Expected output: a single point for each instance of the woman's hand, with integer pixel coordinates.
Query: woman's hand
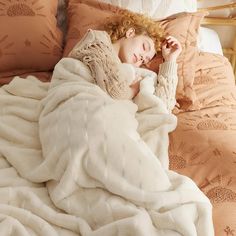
(171, 48)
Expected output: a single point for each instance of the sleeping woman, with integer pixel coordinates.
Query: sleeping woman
(115, 55)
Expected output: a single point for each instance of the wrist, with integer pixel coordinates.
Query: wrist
(170, 60)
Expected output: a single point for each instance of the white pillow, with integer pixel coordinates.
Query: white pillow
(156, 9)
(166, 8)
(139, 6)
(209, 41)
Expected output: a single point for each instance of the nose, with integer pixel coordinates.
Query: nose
(144, 58)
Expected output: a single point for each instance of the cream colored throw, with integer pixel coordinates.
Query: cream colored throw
(73, 163)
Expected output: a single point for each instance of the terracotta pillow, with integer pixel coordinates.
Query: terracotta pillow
(85, 14)
(185, 26)
(29, 37)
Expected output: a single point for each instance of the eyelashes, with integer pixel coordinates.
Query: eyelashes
(146, 46)
(145, 58)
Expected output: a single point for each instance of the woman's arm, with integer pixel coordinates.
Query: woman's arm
(166, 84)
(167, 77)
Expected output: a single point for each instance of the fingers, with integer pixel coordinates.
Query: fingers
(164, 45)
(171, 48)
(173, 42)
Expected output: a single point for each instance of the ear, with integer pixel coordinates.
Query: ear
(130, 33)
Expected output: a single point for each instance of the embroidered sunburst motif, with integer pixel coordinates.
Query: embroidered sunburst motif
(47, 47)
(6, 46)
(176, 156)
(184, 154)
(219, 189)
(15, 8)
(207, 122)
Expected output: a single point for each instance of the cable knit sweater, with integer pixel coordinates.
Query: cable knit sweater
(96, 51)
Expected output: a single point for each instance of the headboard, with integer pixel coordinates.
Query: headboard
(218, 19)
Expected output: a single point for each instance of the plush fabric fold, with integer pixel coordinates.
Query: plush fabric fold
(81, 163)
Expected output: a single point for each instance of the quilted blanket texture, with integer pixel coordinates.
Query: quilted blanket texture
(74, 161)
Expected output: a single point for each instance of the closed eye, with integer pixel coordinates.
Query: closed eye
(146, 46)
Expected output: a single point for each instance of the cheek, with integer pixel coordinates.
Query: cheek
(137, 46)
(127, 52)
(128, 49)
(133, 45)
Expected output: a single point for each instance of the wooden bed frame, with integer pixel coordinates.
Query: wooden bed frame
(230, 53)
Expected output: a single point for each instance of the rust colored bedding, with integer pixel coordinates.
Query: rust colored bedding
(203, 146)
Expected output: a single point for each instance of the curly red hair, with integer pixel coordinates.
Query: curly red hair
(142, 25)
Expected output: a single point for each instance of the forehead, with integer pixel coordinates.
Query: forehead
(146, 38)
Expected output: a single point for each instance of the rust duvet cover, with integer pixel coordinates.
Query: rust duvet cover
(203, 146)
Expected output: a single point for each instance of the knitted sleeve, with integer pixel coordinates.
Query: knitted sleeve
(166, 84)
(95, 50)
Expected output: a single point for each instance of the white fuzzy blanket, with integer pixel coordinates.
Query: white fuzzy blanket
(73, 161)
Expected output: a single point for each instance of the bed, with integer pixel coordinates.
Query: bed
(209, 140)
(41, 198)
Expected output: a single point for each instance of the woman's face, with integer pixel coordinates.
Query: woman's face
(136, 49)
